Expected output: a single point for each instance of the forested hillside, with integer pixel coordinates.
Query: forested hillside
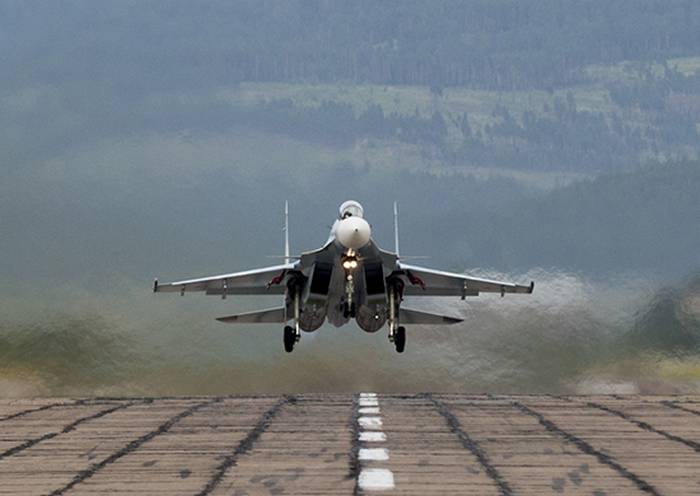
(487, 44)
(554, 85)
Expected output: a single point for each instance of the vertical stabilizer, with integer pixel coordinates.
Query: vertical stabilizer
(396, 228)
(286, 232)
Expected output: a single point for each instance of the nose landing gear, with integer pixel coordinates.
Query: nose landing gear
(349, 310)
(349, 305)
(397, 333)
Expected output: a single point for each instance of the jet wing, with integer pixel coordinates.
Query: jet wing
(263, 281)
(429, 282)
(271, 315)
(410, 316)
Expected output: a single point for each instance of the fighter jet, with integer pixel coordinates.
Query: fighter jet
(349, 277)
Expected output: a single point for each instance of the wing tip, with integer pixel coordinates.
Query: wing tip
(229, 319)
(155, 285)
(531, 288)
(452, 320)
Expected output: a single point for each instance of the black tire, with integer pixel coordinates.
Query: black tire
(289, 339)
(400, 339)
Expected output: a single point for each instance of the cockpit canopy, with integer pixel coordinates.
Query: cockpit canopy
(351, 209)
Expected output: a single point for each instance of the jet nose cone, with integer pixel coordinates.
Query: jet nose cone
(353, 232)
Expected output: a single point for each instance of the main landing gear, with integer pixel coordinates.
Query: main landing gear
(400, 339)
(290, 338)
(292, 335)
(397, 333)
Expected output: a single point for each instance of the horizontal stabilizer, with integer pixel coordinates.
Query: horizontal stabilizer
(409, 316)
(269, 316)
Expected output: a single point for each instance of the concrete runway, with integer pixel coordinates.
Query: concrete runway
(308, 444)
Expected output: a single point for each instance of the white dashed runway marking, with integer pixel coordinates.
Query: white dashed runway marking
(373, 454)
(376, 479)
(372, 437)
(369, 410)
(371, 478)
(373, 423)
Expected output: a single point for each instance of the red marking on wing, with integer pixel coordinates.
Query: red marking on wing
(415, 280)
(276, 280)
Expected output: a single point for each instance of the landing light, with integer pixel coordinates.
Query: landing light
(349, 264)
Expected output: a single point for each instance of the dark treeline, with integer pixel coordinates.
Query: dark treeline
(556, 137)
(563, 136)
(560, 136)
(493, 44)
(652, 91)
(337, 124)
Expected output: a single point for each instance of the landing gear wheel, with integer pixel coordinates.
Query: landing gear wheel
(353, 313)
(289, 338)
(400, 339)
